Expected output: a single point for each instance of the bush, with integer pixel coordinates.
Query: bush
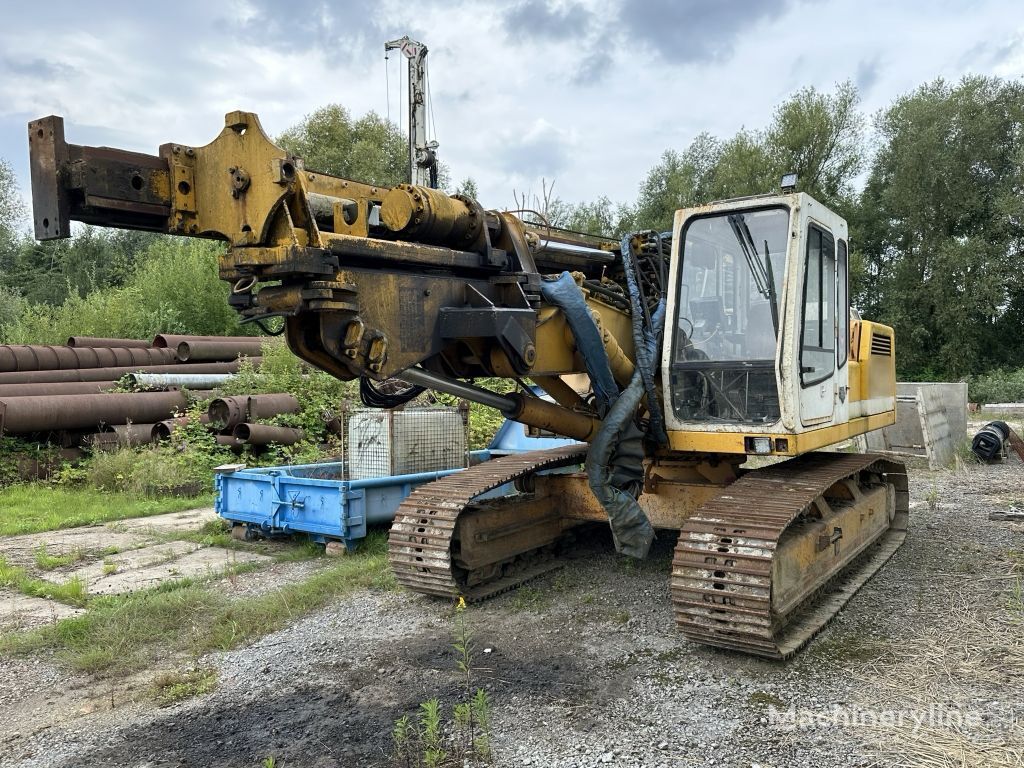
(1000, 385)
(176, 289)
(182, 466)
(321, 398)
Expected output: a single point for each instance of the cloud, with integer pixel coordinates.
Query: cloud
(339, 34)
(693, 31)
(868, 71)
(543, 150)
(543, 19)
(597, 64)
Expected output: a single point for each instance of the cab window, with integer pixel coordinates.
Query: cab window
(843, 304)
(817, 344)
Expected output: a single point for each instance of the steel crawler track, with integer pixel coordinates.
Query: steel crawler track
(422, 536)
(722, 570)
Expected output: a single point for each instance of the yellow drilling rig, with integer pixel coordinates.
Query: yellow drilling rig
(673, 358)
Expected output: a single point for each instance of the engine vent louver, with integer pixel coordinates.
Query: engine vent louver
(881, 344)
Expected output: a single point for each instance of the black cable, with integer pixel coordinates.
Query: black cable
(267, 331)
(372, 397)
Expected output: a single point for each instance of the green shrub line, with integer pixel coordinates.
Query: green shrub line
(1000, 385)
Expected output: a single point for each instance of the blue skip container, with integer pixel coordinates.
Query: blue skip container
(317, 500)
(312, 499)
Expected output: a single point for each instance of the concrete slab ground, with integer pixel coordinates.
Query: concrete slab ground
(18, 611)
(21, 550)
(132, 560)
(115, 558)
(189, 520)
(208, 562)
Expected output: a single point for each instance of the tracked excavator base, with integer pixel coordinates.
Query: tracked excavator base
(446, 541)
(768, 562)
(758, 568)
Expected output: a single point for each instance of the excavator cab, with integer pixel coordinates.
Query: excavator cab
(756, 355)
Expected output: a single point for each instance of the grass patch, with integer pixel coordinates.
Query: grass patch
(530, 599)
(71, 592)
(172, 687)
(47, 562)
(765, 699)
(846, 648)
(38, 507)
(124, 633)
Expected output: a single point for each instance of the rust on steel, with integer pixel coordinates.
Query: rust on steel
(236, 409)
(265, 434)
(162, 429)
(110, 374)
(722, 573)
(56, 388)
(41, 413)
(39, 357)
(171, 341)
(209, 351)
(272, 404)
(124, 434)
(228, 412)
(423, 533)
(94, 341)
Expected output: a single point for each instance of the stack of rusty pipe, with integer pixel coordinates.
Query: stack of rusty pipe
(63, 394)
(236, 418)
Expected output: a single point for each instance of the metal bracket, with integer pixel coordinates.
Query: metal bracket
(825, 540)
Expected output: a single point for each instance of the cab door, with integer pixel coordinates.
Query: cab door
(817, 342)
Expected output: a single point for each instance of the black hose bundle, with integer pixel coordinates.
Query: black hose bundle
(372, 397)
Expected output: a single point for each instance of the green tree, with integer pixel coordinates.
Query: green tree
(175, 288)
(49, 272)
(369, 149)
(599, 217)
(817, 135)
(468, 188)
(12, 213)
(942, 222)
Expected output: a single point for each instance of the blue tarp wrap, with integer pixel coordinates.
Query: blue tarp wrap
(563, 293)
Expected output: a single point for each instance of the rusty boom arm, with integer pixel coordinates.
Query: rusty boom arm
(370, 281)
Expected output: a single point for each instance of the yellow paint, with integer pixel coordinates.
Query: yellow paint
(732, 442)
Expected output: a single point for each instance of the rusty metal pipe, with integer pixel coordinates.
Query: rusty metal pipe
(272, 404)
(56, 388)
(162, 429)
(20, 415)
(110, 374)
(95, 341)
(232, 411)
(129, 434)
(38, 357)
(217, 350)
(228, 412)
(264, 434)
(171, 341)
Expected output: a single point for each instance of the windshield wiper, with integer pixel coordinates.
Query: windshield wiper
(764, 274)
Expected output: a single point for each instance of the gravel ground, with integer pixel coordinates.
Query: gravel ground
(584, 668)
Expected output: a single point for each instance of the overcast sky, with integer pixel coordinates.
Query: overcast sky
(587, 94)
